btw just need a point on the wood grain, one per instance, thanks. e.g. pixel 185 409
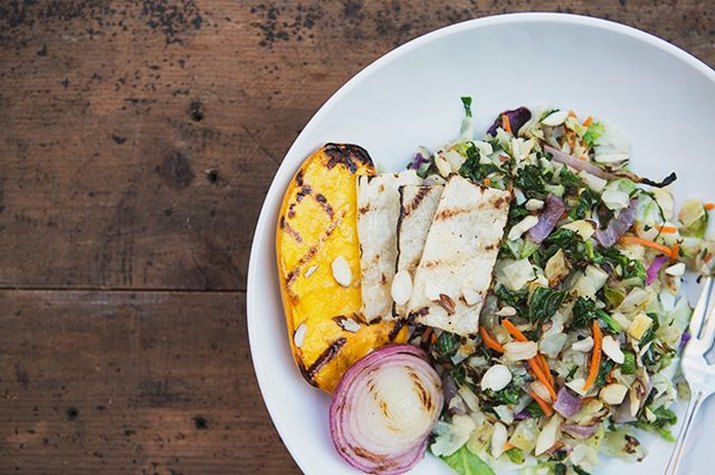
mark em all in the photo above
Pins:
pixel 131 382
pixel 137 140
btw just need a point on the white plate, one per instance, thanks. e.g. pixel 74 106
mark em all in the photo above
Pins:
pixel 662 98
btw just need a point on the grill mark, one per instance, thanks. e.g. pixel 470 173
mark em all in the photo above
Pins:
pixel 299 177
pixel 305 190
pixel 349 155
pixel 421 312
pixel 450 213
pixel 289 230
pixel 422 193
pixel 395 330
pixel 383 279
pixel 320 198
pixel 325 357
pixel 364 209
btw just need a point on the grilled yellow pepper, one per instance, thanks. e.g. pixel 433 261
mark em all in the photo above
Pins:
pixel 315 239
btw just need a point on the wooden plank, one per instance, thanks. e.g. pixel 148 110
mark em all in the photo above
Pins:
pixel 148 382
pixel 138 138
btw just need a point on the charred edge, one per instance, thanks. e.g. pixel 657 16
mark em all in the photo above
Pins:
pixel 490 247
pixel 360 452
pixel 340 320
pixel 418 313
pixel 421 194
pixel 383 279
pixel 320 198
pixel 325 357
pixel 349 155
pixel 446 302
pixel 660 184
pixel 291 210
pixel 289 230
pixel 396 330
pixel 299 178
pixel 499 202
pixel 305 190
pixel 290 277
pixel 375 321
pixel 364 209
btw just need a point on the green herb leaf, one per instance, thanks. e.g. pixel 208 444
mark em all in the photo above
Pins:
pixel 594 132
pixel 629 364
pixel 516 456
pixel 467 103
pixel 544 303
pixel 585 311
pixel 580 471
pixel 446 345
pixel 513 299
pixel 473 169
pixel 571 182
pixel 531 182
pixel 465 462
pixel 587 200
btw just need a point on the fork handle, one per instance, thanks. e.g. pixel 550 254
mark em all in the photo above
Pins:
pixel 677 455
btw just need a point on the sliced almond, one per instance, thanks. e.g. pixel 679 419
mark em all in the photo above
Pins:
pixel 446 302
pixel 496 378
pixel 401 287
pixel 349 325
pixel 311 270
pixel 676 270
pixel 577 385
pixel 555 118
pixel 534 204
pixel 506 312
pixel 613 393
pixel 499 437
pixel 299 335
pixel 341 271
pixel 541 390
pixel 520 350
pixel 584 346
pixel 549 435
pixel 471 297
pixel 443 166
pixel 612 349
pixel 521 227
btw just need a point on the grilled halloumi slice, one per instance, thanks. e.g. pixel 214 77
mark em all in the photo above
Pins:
pixel 455 271
pixel 378 202
pixel 418 204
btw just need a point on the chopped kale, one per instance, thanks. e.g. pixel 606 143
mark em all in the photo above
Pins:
pixel 544 302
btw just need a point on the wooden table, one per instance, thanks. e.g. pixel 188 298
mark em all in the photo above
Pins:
pixel 137 142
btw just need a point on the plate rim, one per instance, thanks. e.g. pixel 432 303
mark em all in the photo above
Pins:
pixel 491 20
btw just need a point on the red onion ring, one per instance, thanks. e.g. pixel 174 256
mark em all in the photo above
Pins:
pixel 654 268
pixel 551 215
pixel 384 409
pixel 567 404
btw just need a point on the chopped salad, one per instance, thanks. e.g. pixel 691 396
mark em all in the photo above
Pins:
pixel 580 332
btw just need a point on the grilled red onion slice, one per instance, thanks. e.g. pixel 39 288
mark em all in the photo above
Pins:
pixel 384 409
pixel 573 162
pixel 547 220
pixel 567 404
pixel 618 226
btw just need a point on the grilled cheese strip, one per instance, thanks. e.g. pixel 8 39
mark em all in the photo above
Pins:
pixel 455 271
pixel 418 204
pixel 378 203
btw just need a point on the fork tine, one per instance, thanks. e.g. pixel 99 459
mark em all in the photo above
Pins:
pixel 709 329
pixel 696 321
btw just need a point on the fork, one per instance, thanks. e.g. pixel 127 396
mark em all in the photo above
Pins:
pixel 697 371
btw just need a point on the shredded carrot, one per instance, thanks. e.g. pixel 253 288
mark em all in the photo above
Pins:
pixel 629 239
pixel 548 411
pixel 508 446
pixel 709 206
pixel 675 252
pixel 535 363
pixel 505 123
pixel 547 370
pixel 433 339
pixel 610 378
pixel 490 341
pixel 513 331
pixel 666 229
pixel 595 357
pixel 588 121
pixel 487 182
